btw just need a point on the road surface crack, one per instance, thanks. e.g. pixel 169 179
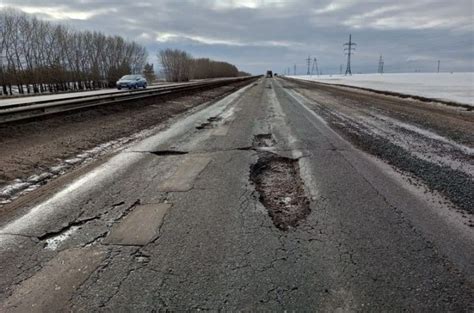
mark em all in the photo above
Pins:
pixel 168 152
pixel 66 228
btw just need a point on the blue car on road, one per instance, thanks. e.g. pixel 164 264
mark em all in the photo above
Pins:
pixel 131 82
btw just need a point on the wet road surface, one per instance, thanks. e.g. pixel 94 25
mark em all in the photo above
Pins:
pixel 257 202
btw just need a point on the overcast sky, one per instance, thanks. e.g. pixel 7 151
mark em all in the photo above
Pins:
pixel 257 35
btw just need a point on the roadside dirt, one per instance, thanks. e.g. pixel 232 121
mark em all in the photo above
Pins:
pixel 455 185
pixel 30 148
pixel 427 142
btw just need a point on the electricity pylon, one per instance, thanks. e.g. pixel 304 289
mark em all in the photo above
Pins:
pixel 381 63
pixel 308 60
pixel 349 47
pixel 315 67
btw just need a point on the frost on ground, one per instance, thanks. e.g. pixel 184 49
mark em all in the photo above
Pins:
pixel 455 87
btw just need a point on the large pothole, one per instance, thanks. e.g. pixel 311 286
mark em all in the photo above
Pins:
pixel 263 140
pixel 209 123
pixel 277 180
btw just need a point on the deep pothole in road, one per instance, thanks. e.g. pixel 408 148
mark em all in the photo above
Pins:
pixel 263 140
pixel 210 123
pixel 281 189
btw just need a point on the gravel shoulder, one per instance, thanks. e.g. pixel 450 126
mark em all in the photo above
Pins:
pixel 430 143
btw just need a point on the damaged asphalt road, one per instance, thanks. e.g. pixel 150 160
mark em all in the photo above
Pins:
pixel 255 202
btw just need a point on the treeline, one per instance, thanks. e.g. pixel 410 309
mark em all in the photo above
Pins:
pixel 179 66
pixel 37 56
pixel 206 68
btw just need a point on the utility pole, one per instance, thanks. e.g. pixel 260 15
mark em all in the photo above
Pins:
pixel 438 65
pixel 340 69
pixel 315 67
pixel 349 47
pixel 294 70
pixel 308 60
pixel 381 62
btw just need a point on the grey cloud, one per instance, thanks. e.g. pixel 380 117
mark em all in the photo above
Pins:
pixel 260 34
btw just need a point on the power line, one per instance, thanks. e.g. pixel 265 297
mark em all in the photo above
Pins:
pixel 349 47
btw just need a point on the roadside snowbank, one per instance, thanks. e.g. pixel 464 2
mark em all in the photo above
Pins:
pixel 456 87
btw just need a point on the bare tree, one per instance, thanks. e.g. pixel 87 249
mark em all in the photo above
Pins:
pixel 180 66
pixel 149 72
pixel 176 65
pixel 206 68
pixel 37 56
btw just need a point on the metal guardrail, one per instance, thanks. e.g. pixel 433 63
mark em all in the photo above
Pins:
pixel 19 111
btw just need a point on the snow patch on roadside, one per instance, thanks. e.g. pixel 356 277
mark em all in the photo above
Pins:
pixel 55 242
pixel 20 187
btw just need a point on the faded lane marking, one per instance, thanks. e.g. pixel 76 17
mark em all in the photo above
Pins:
pixel 183 179
pixel 139 227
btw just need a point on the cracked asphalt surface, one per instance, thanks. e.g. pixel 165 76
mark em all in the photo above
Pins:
pixel 42 149
pixel 374 239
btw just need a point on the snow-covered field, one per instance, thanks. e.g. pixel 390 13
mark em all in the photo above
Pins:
pixel 456 87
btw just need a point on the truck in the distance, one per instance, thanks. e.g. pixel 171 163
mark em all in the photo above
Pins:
pixel 269 74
